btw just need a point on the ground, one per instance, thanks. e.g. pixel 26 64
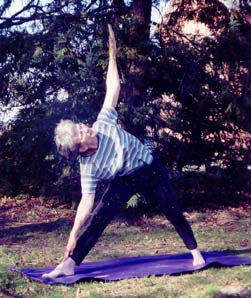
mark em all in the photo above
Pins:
pixel 35 230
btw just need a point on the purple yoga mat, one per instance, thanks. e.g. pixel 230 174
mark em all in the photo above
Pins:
pixel 131 267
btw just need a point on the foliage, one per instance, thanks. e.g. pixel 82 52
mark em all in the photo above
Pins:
pixel 208 102
pixel 58 49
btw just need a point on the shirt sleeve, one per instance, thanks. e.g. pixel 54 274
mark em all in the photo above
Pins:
pixel 88 178
pixel 108 115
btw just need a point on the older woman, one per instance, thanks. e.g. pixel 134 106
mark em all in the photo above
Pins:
pixel 108 152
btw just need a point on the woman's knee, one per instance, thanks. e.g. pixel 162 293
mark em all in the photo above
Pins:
pixel 175 217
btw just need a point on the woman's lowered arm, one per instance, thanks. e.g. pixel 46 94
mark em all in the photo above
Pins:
pixel 83 212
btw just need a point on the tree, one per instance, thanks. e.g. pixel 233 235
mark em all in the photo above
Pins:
pixel 187 90
pixel 47 48
pixel 210 72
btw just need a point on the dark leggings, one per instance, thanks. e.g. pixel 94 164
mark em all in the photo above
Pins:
pixel 153 182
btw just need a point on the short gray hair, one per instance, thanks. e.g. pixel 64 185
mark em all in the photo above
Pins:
pixel 65 132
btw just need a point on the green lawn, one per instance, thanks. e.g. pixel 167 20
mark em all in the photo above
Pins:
pixel 34 234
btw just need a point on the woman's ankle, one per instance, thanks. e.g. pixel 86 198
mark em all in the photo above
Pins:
pixel 198 259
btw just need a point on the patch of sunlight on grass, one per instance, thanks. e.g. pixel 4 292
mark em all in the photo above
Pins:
pixel 151 236
pixel 138 287
pixel 9 280
pixel 7 259
pixel 196 217
pixel 56 292
pixel 205 292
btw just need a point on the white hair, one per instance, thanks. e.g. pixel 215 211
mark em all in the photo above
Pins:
pixel 65 132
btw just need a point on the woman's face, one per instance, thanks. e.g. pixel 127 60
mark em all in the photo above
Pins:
pixel 83 136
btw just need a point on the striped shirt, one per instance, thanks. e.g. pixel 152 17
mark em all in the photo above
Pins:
pixel 118 153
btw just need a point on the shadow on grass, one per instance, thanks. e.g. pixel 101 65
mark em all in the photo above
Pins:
pixel 14 235
pixel 7 294
pixel 190 201
pixel 242 294
pixel 237 252
pixel 21 234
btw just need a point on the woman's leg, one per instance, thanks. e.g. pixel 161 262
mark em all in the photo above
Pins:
pixel 166 197
pixel 113 200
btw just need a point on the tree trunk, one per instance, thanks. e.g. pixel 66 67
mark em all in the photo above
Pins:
pixel 138 39
pixel 141 12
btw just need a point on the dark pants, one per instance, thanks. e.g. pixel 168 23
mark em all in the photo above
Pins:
pixel 151 181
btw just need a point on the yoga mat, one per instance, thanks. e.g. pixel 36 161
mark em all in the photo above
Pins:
pixel 132 267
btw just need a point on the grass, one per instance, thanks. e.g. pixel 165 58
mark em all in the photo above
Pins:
pixel 34 234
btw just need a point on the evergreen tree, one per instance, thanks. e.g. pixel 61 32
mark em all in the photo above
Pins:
pixel 189 91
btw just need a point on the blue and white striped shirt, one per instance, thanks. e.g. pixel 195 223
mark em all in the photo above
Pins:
pixel 118 153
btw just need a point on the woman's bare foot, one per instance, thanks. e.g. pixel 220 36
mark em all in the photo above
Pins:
pixel 65 268
pixel 198 259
